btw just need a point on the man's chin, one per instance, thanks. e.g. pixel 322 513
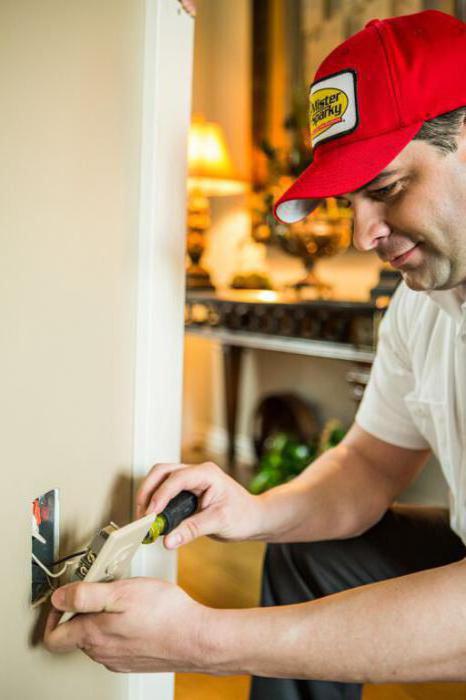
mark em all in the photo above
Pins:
pixel 419 282
pixel 416 283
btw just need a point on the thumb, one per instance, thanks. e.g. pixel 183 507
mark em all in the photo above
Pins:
pixel 85 598
pixel 196 526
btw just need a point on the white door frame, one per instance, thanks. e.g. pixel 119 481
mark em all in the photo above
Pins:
pixel 168 56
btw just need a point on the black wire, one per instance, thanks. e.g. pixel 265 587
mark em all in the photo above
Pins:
pixel 69 556
pixel 60 561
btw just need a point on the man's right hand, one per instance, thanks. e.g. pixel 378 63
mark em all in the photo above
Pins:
pixel 226 510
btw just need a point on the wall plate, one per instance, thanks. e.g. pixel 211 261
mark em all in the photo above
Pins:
pixel 109 555
pixel 46 512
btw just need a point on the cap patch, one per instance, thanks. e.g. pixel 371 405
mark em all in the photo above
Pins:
pixel 333 108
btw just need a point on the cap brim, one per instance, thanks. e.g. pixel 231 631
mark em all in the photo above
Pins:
pixel 341 169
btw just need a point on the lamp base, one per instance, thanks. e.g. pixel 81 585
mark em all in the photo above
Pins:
pixel 311 282
pixel 198 278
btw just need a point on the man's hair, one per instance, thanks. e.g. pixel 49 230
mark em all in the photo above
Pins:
pixel 442 131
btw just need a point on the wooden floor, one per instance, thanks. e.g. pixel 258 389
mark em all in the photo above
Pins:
pixel 228 576
pixel 223 576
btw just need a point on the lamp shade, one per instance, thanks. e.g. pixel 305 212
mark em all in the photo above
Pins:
pixel 210 169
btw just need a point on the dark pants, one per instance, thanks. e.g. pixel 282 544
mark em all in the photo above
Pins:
pixel 406 540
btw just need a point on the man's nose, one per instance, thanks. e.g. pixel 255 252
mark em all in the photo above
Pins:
pixel 369 223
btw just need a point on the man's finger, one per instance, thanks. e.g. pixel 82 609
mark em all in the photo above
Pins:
pixel 196 478
pixel 153 479
pixel 86 598
pixel 203 523
pixel 66 637
pixel 52 620
pixel 80 598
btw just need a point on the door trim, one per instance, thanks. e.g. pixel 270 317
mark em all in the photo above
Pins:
pixel 168 56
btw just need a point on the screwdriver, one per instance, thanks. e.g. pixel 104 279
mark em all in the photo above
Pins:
pixel 177 510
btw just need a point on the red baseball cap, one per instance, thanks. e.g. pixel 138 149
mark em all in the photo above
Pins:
pixel 371 96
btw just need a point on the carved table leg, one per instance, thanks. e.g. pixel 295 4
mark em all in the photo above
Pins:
pixel 231 371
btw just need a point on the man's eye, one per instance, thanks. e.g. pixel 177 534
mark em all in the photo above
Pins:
pixel 386 192
pixel 343 203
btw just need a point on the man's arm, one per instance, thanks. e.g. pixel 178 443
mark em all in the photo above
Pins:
pixel 343 493
pixel 407 629
pixel 411 628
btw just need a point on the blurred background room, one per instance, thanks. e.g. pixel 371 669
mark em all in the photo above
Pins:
pixel 281 321
pixel 254 328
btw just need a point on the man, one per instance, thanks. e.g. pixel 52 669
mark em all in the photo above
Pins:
pixel 380 139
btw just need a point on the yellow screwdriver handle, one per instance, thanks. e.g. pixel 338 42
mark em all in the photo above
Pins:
pixel 177 510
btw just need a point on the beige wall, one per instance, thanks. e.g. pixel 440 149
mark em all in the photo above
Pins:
pixel 71 82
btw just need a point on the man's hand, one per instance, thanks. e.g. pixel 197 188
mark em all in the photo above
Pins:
pixel 136 625
pixel 226 510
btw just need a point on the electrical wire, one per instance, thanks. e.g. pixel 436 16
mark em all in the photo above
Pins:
pixel 69 556
pixel 42 599
pixel 51 584
pixel 49 575
pixel 75 555
pixel 47 571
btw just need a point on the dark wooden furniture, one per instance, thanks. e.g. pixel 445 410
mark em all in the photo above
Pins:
pixel 283 322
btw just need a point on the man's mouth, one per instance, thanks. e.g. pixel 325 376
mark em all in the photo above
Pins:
pixel 399 259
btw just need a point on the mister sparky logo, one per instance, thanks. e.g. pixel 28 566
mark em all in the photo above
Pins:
pixel 332 107
pixel 327 108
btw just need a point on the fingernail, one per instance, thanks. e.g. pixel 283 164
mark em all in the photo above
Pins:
pixel 174 540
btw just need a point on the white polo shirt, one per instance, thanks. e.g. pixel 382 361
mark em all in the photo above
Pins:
pixel 416 396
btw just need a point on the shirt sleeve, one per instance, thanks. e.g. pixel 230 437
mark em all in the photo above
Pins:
pixel 383 411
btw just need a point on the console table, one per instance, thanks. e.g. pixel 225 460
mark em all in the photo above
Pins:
pixel 283 322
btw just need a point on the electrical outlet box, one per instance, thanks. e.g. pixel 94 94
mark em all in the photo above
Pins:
pixel 45 539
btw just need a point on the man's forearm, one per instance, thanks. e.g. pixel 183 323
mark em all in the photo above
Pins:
pixel 411 628
pixel 338 496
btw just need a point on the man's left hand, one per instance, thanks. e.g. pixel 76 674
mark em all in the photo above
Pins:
pixel 135 625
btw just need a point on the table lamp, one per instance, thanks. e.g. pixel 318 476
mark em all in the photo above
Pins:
pixel 210 174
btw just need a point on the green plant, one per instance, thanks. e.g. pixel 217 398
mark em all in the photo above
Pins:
pixel 285 456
